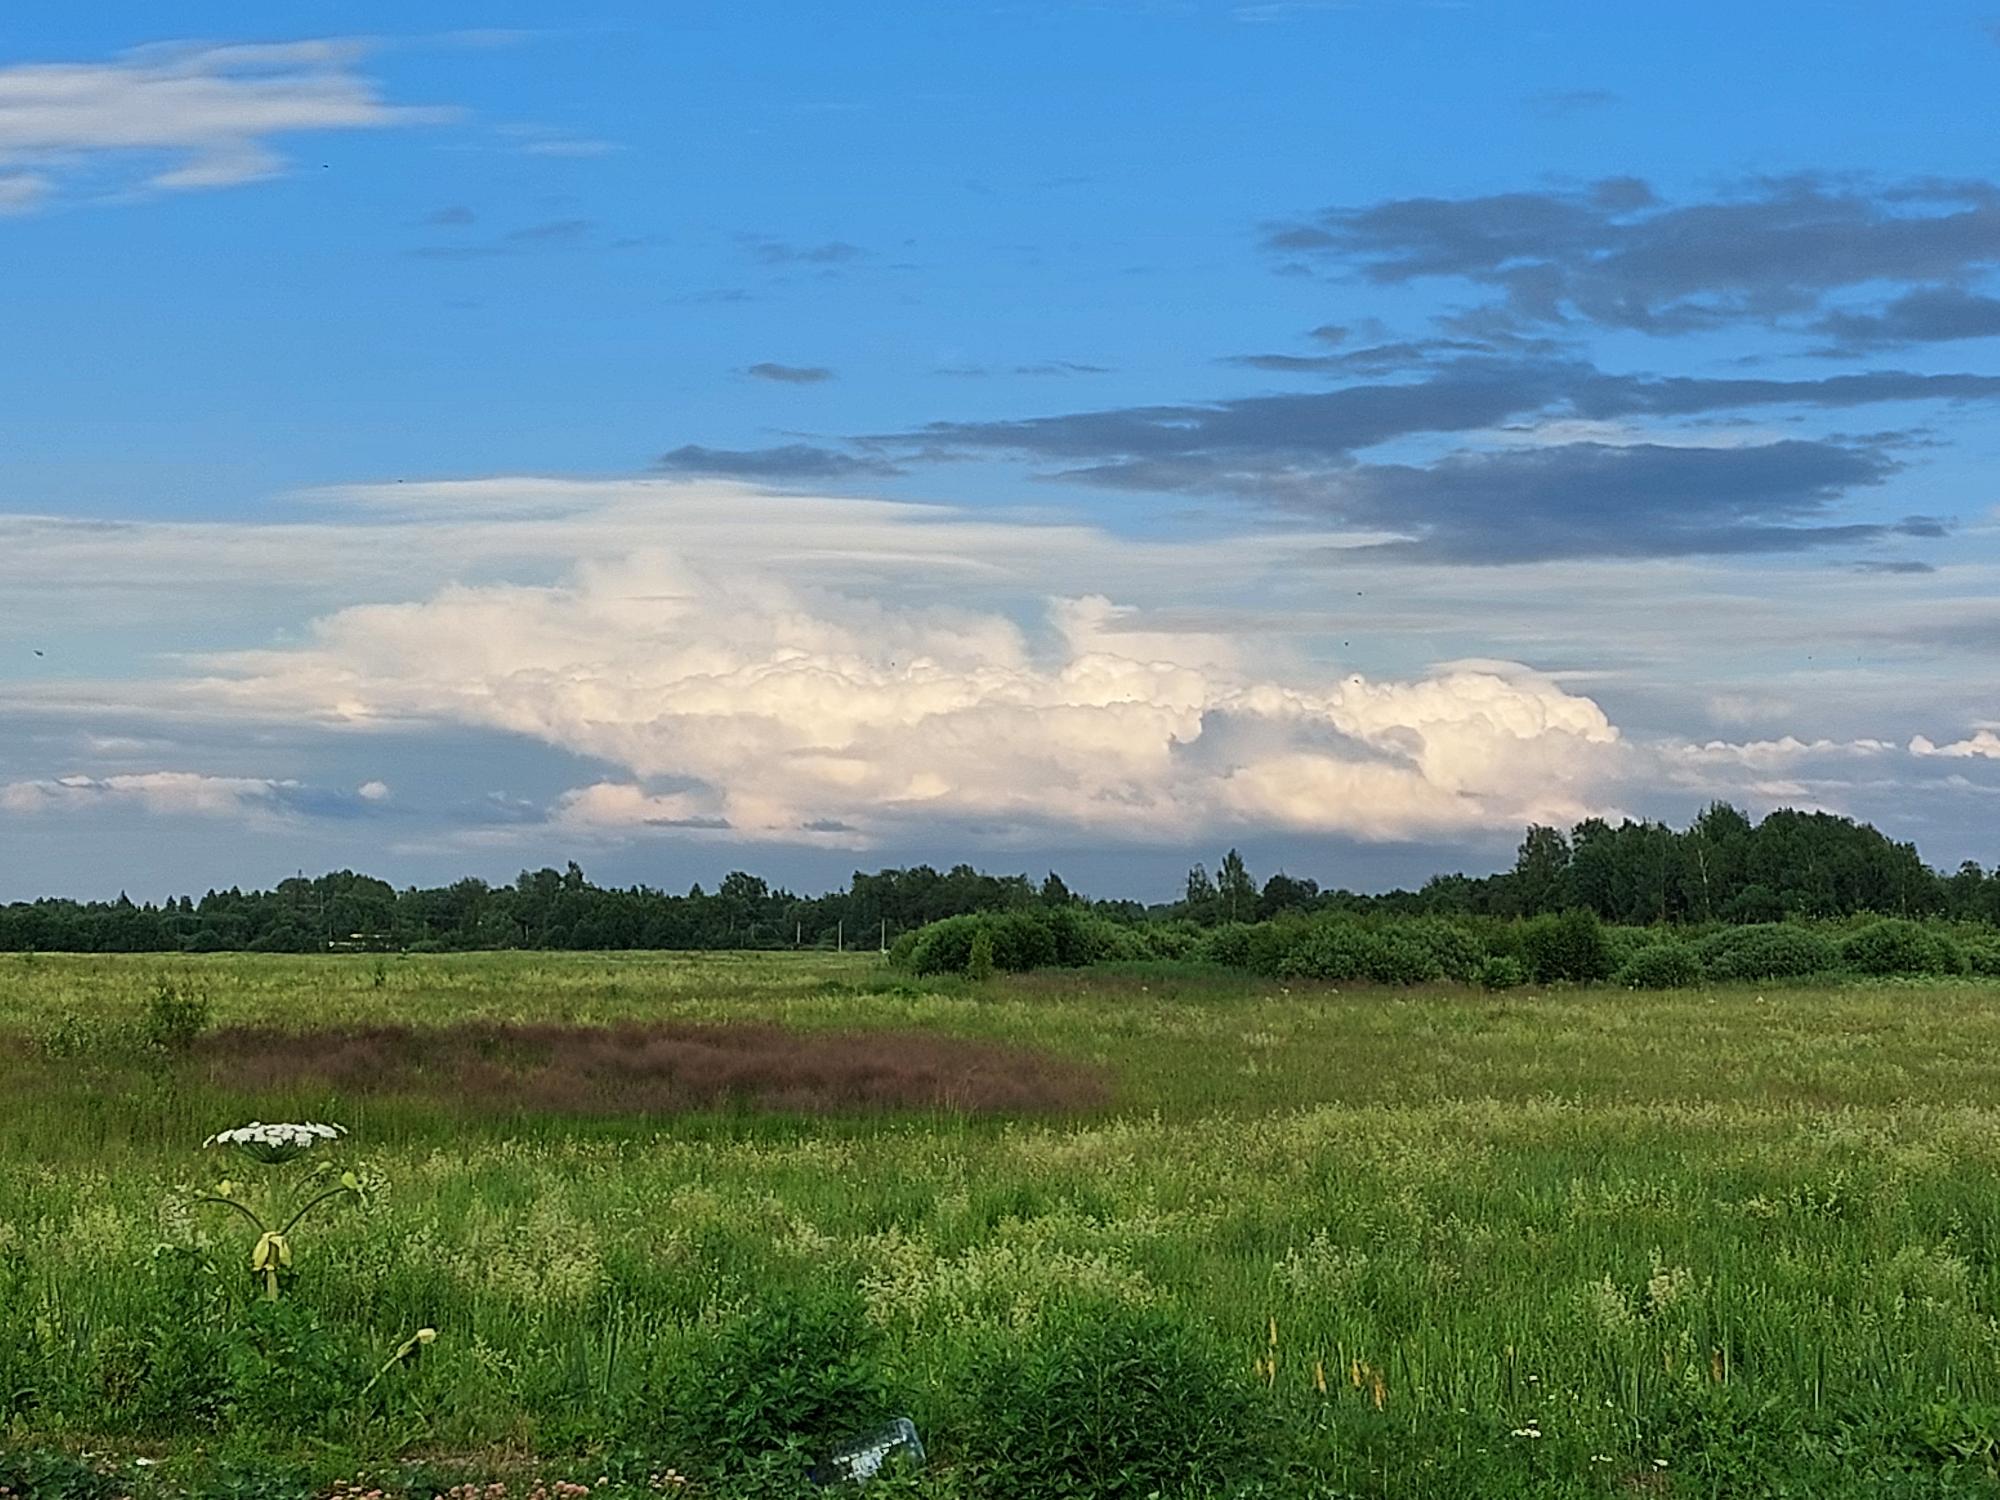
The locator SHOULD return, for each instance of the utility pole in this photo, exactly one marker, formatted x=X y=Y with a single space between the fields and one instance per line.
x=840 y=936
x=885 y=934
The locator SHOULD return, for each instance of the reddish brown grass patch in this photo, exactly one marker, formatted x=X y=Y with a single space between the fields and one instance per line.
x=652 y=1068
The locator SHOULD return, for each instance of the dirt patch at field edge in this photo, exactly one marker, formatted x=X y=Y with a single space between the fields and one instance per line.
x=653 y=1068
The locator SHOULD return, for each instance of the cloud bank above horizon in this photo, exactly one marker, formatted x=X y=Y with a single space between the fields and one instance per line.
x=992 y=477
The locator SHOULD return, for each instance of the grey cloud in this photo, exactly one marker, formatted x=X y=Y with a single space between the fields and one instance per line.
x=789 y=462
x=1574 y=500
x=1061 y=367
x=1302 y=454
x=1626 y=395
x=789 y=374
x=498 y=807
x=1461 y=396
x=1924 y=526
x=1597 y=500
x=1926 y=315
x=1614 y=255
x=1324 y=423
x=1560 y=104
x=1291 y=364
x=776 y=252
x=458 y=252
x=1042 y=367
x=1900 y=565
x=450 y=218
x=325 y=802
x=555 y=234
x=558 y=229
x=1375 y=359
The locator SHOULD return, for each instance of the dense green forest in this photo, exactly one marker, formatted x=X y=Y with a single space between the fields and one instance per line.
x=1722 y=868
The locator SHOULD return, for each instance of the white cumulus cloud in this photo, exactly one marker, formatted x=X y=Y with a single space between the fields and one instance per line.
x=741 y=702
x=1984 y=745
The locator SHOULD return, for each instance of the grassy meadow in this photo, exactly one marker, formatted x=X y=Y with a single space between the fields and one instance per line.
x=1293 y=1240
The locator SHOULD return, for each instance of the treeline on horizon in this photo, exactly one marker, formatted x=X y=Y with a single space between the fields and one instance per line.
x=1722 y=868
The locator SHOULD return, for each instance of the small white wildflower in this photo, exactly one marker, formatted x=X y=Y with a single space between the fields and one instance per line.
x=1530 y=1431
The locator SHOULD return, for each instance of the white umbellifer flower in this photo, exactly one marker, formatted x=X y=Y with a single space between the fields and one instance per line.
x=271 y=1144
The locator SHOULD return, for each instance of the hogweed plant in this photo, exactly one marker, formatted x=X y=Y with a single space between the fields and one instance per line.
x=273 y=1146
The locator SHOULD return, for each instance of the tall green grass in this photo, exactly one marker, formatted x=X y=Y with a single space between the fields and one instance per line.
x=1411 y=1243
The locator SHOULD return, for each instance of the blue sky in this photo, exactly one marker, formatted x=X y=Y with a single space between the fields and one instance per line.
x=800 y=438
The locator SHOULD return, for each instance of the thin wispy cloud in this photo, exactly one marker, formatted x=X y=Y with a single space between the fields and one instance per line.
x=186 y=794
x=552 y=141
x=182 y=116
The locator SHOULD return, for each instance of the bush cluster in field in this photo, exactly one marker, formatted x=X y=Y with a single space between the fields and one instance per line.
x=1572 y=947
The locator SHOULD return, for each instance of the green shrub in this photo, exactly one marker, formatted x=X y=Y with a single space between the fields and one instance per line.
x=784 y=1380
x=1501 y=939
x=1569 y=946
x=1171 y=940
x=1395 y=955
x=1421 y=950
x=1983 y=957
x=979 y=962
x=944 y=947
x=1261 y=947
x=1502 y=971
x=1022 y=941
x=1767 y=950
x=1661 y=966
x=176 y=1015
x=1228 y=944
x=1115 y=943
x=1271 y=941
x=902 y=951
x=1112 y=1402
x=1338 y=949
x=1453 y=950
x=289 y=1372
x=1894 y=946
x=1071 y=932
x=45 y=1474
x=1627 y=943
x=74 y=1034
